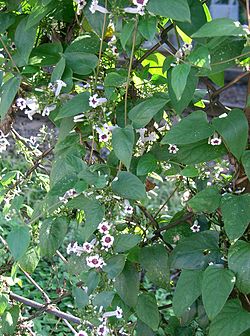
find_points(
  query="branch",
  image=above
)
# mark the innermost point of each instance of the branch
(45, 308)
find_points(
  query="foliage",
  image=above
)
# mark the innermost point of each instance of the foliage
(133, 217)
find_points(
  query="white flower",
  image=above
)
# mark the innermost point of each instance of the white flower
(87, 247)
(215, 140)
(107, 241)
(135, 10)
(21, 103)
(104, 134)
(72, 248)
(80, 5)
(140, 2)
(3, 142)
(69, 194)
(48, 109)
(143, 138)
(104, 227)
(117, 313)
(57, 87)
(102, 330)
(128, 209)
(173, 149)
(195, 227)
(115, 51)
(95, 7)
(33, 108)
(95, 261)
(81, 333)
(94, 101)
(79, 118)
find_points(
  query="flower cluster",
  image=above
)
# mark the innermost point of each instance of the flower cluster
(78, 250)
(143, 138)
(69, 194)
(183, 52)
(3, 142)
(56, 88)
(107, 239)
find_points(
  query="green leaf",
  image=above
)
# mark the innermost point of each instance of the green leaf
(189, 171)
(246, 163)
(234, 131)
(127, 284)
(4, 303)
(143, 330)
(147, 310)
(207, 200)
(123, 142)
(30, 260)
(190, 129)
(18, 241)
(142, 113)
(148, 27)
(78, 104)
(170, 9)
(6, 20)
(239, 263)
(103, 299)
(188, 92)
(93, 210)
(179, 79)
(198, 18)
(9, 321)
(196, 251)
(125, 242)
(81, 297)
(200, 57)
(38, 12)
(87, 43)
(24, 41)
(126, 33)
(233, 320)
(147, 164)
(51, 235)
(214, 297)
(187, 290)
(58, 70)
(154, 259)
(236, 214)
(115, 265)
(128, 186)
(81, 63)
(46, 54)
(220, 27)
(8, 93)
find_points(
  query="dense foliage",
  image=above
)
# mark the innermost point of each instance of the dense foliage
(138, 203)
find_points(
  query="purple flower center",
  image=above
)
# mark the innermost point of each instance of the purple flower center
(104, 228)
(95, 261)
(140, 2)
(104, 136)
(107, 240)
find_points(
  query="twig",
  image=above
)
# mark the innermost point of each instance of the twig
(167, 200)
(129, 72)
(9, 54)
(148, 215)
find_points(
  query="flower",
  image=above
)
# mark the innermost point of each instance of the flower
(173, 149)
(80, 5)
(151, 136)
(94, 101)
(3, 142)
(135, 10)
(87, 247)
(115, 51)
(57, 87)
(95, 261)
(107, 241)
(33, 108)
(128, 209)
(48, 109)
(215, 140)
(176, 238)
(117, 313)
(72, 248)
(81, 333)
(195, 227)
(104, 227)
(21, 103)
(103, 133)
(79, 118)
(95, 7)
(69, 194)
(140, 2)
(102, 330)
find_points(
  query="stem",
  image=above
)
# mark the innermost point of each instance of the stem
(167, 200)
(129, 72)
(9, 54)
